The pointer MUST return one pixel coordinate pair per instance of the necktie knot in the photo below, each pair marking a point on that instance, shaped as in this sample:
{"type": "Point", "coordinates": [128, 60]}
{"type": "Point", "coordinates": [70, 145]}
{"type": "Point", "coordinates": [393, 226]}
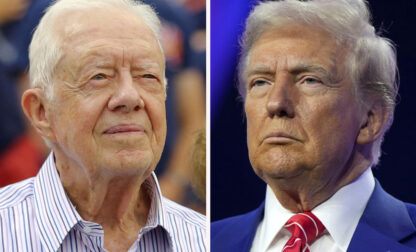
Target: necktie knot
{"type": "Point", "coordinates": [305, 227]}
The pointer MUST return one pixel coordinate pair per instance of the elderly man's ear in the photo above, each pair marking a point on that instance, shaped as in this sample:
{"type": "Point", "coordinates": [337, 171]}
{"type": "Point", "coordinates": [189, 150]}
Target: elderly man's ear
{"type": "Point", "coordinates": [34, 107]}
{"type": "Point", "coordinates": [373, 123]}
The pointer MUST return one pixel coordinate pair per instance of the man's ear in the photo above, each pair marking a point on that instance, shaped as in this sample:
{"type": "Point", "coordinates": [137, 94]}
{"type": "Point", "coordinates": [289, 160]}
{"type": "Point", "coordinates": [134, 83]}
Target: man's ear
{"type": "Point", "coordinates": [34, 107]}
{"type": "Point", "coordinates": [373, 124]}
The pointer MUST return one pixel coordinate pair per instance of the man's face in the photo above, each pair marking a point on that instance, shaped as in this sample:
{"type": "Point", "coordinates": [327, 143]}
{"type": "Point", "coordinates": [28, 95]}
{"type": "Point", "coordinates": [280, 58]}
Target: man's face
{"type": "Point", "coordinates": [108, 109]}
{"type": "Point", "coordinates": [302, 113]}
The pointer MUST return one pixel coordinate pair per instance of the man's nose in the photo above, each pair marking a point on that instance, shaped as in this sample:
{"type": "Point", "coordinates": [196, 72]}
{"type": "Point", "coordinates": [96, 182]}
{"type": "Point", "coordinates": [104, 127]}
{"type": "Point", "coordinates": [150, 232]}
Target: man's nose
{"type": "Point", "coordinates": [126, 97]}
{"type": "Point", "coordinates": [279, 100]}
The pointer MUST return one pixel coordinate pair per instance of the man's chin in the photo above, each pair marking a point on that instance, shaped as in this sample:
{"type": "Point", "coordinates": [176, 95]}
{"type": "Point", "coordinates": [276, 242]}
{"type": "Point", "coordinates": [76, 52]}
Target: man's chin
{"type": "Point", "coordinates": [277, 172]}
{"type": "Point", "coordinates": [277, 167]}
{"type": "Point", "coordinates": [130, 162]}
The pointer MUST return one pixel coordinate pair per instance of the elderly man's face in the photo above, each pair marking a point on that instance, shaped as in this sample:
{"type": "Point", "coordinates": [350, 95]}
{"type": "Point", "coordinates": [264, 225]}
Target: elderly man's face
{"type": "Point", "coordinates": [302, 113]}
{"type": "Point", "coordinates": [108, 109]}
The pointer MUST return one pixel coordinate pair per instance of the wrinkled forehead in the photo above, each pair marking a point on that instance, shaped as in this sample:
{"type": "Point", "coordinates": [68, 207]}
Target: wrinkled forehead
{"type": "Point", "coordinates": [79, 22]}
{"type": "Point", "coordinates": [291, 46]}
{"type": "Point", "coordinates": [85, 31]}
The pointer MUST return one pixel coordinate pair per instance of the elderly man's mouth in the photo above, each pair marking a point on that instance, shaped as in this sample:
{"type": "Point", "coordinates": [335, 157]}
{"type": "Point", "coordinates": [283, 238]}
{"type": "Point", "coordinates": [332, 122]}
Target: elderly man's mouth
{"type": "Point", "coordinates": [125, 129]}
{"type": "Point", "coordinates": [279, 138]}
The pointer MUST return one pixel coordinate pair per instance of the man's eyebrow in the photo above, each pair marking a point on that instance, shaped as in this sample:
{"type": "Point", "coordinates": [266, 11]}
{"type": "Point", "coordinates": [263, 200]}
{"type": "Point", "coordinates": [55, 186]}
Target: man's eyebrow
{"type": "Point", "coordinates": [259, 69]}
{"type": "Point", "coordinates": [296, 68]}
{"type": "Point", "coordinates": [145, 66]}
{"type": "Point", "coordinates": [93, 60]}
{"type": "Point", "coordinates": [314, 68]}
{"type": "Point", "coordinates": [301, 68]}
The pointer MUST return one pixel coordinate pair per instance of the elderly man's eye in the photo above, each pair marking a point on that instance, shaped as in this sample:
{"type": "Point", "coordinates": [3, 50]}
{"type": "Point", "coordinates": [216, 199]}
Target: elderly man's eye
{"type": "Point", "coordinates": [259, 83]}
{"type": "Point", "coordinates": [98, 77]}
{"type": "Point", "coordinates": [311, 81]}
{"type": "Point", "coordinates": [149, 76]}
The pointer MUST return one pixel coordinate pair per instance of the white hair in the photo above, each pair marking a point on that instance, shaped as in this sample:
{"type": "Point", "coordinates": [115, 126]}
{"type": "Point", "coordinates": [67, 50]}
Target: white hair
{"type": "Point", "coordinates": [371, 59]}
{"type": "Point", "coordinates": [45, 49]}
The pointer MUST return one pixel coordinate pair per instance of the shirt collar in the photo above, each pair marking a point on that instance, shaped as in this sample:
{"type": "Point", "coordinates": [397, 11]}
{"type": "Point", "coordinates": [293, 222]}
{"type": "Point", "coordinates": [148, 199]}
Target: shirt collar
{"type": "Point", "coordinates": [157, 213]}
{"type": "Point", "coordinates": [341, 213]}
{"type": "Point", "coordinates": [275, 216]}
{"type": "Point", "coordinates": [56, 215]}
{"type": "Point", "coordinates": [340, 221]}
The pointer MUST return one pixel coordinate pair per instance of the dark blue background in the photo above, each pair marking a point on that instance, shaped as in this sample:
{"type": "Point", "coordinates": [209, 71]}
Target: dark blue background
{"type": "Point", "coordinates": [235, 189]}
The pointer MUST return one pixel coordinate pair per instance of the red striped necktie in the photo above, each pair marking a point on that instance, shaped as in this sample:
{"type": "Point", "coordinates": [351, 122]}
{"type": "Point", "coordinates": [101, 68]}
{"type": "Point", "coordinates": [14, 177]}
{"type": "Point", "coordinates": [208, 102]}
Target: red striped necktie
{"type": "Point", "coordinates": [305, 227]}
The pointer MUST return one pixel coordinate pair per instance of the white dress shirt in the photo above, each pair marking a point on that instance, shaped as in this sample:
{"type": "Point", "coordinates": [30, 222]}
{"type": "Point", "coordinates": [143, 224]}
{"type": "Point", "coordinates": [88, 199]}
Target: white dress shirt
{"type": "Point", "coordinates": [37, 215]}
{"type": "Point", "coordinates": [340, 215]}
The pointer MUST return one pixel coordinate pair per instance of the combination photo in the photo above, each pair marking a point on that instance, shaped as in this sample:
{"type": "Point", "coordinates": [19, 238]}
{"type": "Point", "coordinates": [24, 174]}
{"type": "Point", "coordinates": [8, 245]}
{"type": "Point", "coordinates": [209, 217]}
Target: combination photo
{"type": "Point", "coordinates": [207, 125]}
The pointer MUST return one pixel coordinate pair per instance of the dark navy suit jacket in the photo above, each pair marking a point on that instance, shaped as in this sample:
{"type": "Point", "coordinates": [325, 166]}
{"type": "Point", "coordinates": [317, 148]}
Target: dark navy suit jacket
{"type": "Point", "coordinates": [387, 225]}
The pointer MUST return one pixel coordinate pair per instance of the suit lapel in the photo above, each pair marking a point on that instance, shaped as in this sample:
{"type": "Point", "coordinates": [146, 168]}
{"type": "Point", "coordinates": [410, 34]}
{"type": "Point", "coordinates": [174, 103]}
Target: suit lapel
{"type": "Point", "coordinates": [245, 230]}
{"type": "Point", "coordinates": [384, 223]}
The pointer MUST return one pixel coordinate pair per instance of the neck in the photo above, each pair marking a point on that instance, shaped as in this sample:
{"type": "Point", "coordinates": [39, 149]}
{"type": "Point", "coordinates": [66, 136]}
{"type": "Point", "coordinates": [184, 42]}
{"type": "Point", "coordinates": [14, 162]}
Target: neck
{"type": "Point", "coordinates": [110, 202]}
{"type": "Point", "coordinates": [304, 192]}
{"type": "Point", "coordinates": [119, 203]}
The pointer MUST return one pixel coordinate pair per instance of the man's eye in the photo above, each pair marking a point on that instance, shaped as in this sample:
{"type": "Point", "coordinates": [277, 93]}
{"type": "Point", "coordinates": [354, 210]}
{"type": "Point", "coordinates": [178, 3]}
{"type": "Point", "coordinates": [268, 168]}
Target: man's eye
{"type": "Point", "coordinates": [149, 76]}
{"type": "Point", "coordinates": [98, 77]}
{"type": "Point", "coordinates": [259, 83]}
{"type": "Point", "coordinates": [311, 81]}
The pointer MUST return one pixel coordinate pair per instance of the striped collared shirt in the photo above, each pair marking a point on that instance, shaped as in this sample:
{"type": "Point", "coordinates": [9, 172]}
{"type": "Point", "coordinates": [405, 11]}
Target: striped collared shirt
{"type": "Point", "coordinates": [37, 215]}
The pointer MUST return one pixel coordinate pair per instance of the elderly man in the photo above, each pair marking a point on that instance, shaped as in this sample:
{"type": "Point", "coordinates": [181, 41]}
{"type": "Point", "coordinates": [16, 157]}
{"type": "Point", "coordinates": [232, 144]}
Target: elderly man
{"type": "Point", "coordinates": [319, 88]}
{"type": "Point", "coordinates": [98, 98]}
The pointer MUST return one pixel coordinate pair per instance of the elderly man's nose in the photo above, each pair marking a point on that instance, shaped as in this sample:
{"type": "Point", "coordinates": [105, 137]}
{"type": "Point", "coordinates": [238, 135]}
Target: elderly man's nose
{"type": "Point", "coordinates": [279, 101]}
{"type": "Point", "coordinates": [126, 98]}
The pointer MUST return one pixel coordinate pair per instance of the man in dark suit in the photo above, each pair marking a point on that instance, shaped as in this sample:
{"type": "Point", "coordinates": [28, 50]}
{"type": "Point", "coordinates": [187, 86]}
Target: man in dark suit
{"type": "Point", "coordinates": [319, 88]}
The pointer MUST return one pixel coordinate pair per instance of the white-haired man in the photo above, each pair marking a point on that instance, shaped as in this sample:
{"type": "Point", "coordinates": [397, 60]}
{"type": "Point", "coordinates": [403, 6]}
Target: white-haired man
{"type": "Point", "coordinates": [98, 98]}
{"type": "Point", "coordinates": [319, 88]}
